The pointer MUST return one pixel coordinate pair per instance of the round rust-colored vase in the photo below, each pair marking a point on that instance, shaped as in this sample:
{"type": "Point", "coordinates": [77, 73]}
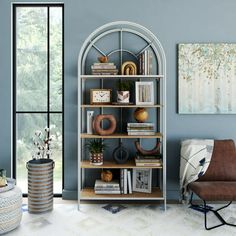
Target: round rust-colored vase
{"type": "Point", "coordinates": [97, 124]}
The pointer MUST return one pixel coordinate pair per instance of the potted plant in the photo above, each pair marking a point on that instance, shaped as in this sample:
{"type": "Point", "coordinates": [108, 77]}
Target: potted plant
{"type": "Point", "coordinates": [40, 173]}
{"type": "Point", "coordinates": [123, 93]}
{"type": "Point", "coordinates": [96, 148]}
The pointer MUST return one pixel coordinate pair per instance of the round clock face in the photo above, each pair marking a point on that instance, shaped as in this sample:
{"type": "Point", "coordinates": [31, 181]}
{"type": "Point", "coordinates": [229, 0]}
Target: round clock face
{"type": "Point", "coordinates": [101, 96]}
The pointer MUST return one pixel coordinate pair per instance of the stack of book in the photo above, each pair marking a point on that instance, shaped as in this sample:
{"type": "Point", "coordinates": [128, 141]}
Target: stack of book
{"type": "Point", "coordinates": [104, 69]}
{"type": "Point", "coordinates": [125, 181]}
{"type": "Point", "coordinates": [148, 160]}
{"type": "Point", "coordinates": [145, 63]}
{"type": "Point", "coordinates": [141, 129]}
{"type": "Point", "coordinates": [102, 187]}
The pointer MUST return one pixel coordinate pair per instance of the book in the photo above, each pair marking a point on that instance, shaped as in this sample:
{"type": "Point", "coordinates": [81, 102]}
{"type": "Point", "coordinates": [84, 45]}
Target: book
{"type": "Point", "coordinates": [122, 181]}
{"type": "Point", "coordinates": [107, 189]}
{"type": "Point", "coordinates": [141, 133]}
{"type": "Point", "coordinates": [147, 160]}
{"type": "Point", "coordinates": [111, 184]}
{"type": "Point", "coordinates": [140, 124]}
{"type": "Point", "coordinates": [107, 192]}
{"type": "Point", "coordinates": [156, 164]}
{"type": "Point", "coordinates": [125, 181]}
{"type": "Point", "coordinates": [129, 182]}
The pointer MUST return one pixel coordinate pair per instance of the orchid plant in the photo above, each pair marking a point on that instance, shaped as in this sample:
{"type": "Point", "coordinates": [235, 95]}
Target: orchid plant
{"type": "Point", "coordinates": [42, 142]}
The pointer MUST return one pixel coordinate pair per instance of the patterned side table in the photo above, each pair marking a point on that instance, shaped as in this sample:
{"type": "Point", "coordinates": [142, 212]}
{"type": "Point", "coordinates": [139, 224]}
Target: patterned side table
{"type": "Point", "coordinates": [10, 209]}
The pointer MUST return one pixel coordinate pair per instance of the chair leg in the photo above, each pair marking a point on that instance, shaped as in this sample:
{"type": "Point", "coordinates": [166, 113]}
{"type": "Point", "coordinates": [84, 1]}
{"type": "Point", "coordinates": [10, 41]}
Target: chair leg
{"type": "Point", "coordinates": [205, 209]}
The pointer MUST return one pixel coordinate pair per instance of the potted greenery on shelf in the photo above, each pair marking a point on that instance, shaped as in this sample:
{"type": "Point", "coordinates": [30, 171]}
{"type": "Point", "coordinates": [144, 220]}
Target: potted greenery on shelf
{"type": "Point", "coordinates": [96, 148]}
{"type": "Point", "coordinates": [123, 93]}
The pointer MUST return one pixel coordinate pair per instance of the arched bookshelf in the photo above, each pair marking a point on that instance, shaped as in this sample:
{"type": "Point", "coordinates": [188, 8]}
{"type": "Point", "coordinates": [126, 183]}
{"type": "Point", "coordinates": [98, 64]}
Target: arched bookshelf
{"type": "Point", "coordinates": [121, 41]}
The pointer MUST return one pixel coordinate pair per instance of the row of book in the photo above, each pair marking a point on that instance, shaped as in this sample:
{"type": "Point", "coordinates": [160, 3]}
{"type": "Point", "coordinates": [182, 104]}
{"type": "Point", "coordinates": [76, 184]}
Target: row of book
{"type": "Point", "coordinates": [145, 63]}
{"type": "Point", "coordinates": [104, 69]}
{"type": "Point", "coordinates": [124, 186]}
{"type": "Point", "coordinates": [148, 160]}
{"type": "Point", "coordinates": [140, 128]}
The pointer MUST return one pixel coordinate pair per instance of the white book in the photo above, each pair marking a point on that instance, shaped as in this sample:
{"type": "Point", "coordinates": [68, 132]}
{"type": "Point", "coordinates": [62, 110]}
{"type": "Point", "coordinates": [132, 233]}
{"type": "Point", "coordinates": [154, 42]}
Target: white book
{"type": "Point", "coordinates": [129, 182]}
{"type": "Point", "coordinates": [111, 184]}
{"type": "Point", "coordinates": [122, 181]}
{"type": "Point", "coordinates": [107, 192]}
{"type": "Point", "coordinates": [125, 182]}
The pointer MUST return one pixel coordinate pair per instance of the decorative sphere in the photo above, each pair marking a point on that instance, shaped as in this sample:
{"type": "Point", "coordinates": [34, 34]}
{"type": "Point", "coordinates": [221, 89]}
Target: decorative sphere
{"type": "Point", "coordinates": [106, 176]}
{"type": "Point", "coordinates": [141, 114]}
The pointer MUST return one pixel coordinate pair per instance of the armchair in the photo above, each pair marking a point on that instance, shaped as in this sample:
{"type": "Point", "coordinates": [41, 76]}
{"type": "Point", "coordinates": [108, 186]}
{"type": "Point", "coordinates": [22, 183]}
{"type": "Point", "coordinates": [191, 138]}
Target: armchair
{"type": "Point", "coordinates": [219, 181]}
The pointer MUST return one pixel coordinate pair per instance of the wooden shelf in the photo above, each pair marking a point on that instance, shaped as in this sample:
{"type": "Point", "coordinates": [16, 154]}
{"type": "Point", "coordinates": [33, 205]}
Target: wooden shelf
{"type": "Point", "coordinates": [89, 194]}
{"type": "Point", "coordinates": [121, 76]}
{"type": "Point", "coordinates": [113, 165]}
{"type": "Point", "coordinates": [120, 106]}
{"type": "Point", "coordinates": [117, 135]}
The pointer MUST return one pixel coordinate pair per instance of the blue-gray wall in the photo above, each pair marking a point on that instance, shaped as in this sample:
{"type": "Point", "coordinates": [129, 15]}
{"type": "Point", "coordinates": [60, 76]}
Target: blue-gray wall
{"type": "Point", "coordinates": [172, 22]}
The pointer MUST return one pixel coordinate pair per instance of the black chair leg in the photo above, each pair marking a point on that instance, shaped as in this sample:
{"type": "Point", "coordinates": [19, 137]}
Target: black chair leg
{"type": "Point", "coordinates": [205, 209]}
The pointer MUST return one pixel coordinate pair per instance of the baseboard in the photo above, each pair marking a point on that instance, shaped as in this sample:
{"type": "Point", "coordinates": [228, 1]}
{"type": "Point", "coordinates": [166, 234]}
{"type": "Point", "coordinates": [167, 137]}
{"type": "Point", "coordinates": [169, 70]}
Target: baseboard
{"type": "Point", "coordinates": [69, 194]}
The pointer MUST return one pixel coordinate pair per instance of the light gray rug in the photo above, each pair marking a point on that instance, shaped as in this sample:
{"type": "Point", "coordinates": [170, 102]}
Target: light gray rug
{"type": "Point", "coordinates": [134, 220]}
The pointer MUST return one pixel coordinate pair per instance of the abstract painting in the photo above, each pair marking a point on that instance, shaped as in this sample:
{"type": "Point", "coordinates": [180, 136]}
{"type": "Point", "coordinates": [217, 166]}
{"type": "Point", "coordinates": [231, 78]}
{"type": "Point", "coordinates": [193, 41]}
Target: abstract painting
{"type": "Point", "coordinates": [207, 78]}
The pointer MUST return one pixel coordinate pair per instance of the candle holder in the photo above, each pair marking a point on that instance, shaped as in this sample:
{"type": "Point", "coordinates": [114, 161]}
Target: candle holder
{"type": "Point", "coordinates": [3, 178]}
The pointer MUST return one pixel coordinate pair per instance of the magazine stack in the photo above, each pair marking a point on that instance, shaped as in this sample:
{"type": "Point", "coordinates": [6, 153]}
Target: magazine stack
{"type": "Point", "coordinates": [140, 129]}
{"type": "Point", "coordinates": [104, 69]}
{"type": "Point", "coordinates": [148, 160]}
{"type": "Point", "coordinates": [102, 187]}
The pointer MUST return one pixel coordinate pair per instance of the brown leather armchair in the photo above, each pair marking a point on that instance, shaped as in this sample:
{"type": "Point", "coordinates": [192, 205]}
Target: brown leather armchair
{"type": "Point", "coordinates": [219, 181]}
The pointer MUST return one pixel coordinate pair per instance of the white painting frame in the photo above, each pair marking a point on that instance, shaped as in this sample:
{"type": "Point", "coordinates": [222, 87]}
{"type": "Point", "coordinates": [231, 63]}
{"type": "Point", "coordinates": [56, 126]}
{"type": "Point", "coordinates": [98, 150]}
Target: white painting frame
{"type": "Point", "coordinates": [142, 180]}
{"type": "Point", "coordinates": [144, 93]}
{"type": "Point", "coordinates": [207, 78]}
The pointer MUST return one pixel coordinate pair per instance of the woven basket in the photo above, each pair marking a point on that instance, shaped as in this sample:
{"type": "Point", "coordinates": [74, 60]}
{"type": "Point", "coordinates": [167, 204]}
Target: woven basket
{"type": "Point", "coordinates": [10, 210]}
{"type": "Point", "coordinates": [40, 185]}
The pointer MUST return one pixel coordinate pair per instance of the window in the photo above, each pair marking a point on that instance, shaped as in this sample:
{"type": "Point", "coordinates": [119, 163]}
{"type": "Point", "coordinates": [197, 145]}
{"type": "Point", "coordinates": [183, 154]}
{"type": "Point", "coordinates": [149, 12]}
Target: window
{"type": "Point", "coordinates": [37, 84]}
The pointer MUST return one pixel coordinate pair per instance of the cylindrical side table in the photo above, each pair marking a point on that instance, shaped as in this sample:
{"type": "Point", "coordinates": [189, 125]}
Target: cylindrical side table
{"type": "Point", "coordinates": [10, 209]}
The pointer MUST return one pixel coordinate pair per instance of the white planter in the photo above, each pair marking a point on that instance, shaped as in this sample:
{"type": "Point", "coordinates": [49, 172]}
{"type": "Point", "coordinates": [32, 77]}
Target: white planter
{"type": "Point", "coordinates": [123, 96]}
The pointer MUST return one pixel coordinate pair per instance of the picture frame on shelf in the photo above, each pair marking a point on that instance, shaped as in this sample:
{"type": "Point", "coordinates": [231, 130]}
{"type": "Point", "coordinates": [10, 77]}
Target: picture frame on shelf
{"type": "Point", "coordinates": [142, 180]}
{"type": "Point", "coordinates": [144, 93]}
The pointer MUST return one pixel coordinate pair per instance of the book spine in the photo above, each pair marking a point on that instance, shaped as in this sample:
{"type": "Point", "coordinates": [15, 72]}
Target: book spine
{"type": "Point", "coordinates": [125, 181]}
{"type": "Point", "coordinates": [107, 186]}
{"type": "Point", "coordinates": [148, 164]}
{"type": "Point", "coordinates": [129, 182]}
{"type": "Point", "coordinates": [122, 181]}
{"type": "Point", "coordinates": [141, 133]}
{"type": "Point", "coordinates": [107, 189]}
{"type": "Point", "coordinates": [107, 192]}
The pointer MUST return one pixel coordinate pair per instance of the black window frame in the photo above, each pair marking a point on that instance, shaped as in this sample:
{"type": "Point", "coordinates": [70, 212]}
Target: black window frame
{"type": "Point", "coordinates": [14, 64]}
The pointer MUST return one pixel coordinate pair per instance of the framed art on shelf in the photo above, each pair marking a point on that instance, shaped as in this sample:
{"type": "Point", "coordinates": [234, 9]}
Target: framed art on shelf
{"type": "Point", "coordinates": [142, 180]}
{"type": "Point", "coordinates": [144, 93]}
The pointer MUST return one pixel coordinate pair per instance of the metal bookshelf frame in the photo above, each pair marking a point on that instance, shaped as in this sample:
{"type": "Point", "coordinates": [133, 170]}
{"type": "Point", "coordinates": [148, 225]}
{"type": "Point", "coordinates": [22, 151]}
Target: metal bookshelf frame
{"type": "Point", "coordinates": [151, 41]}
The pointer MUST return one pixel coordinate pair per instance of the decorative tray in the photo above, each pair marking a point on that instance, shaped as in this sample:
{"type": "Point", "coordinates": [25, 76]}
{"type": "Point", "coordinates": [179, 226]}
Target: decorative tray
{"type": "Point", "coordinates": [10, 185]}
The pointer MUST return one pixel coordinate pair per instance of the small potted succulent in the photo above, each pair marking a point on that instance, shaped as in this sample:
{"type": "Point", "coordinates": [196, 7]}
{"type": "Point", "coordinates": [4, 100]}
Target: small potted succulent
{"type": "Point", "coordinates": [96, 148]}
{"type": "Point", "coordinates": [123, 93]}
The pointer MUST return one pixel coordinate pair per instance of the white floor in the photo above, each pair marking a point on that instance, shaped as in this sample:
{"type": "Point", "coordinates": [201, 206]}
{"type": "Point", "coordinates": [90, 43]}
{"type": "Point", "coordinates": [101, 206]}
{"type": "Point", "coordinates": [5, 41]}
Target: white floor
{"type": "Point", "coordinates": [135, 220]}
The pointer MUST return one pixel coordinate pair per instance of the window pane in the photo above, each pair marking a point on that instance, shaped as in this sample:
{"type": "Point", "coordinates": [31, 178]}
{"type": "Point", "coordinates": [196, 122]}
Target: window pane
{"type": "Point", "coordinates": [31, 58]}
{"type": "Point", "coordinates": [56, 59]}
{"type": "Point", "coordinates": [26, 125]}
{"type": "Point", "coordinates": [56, 147]}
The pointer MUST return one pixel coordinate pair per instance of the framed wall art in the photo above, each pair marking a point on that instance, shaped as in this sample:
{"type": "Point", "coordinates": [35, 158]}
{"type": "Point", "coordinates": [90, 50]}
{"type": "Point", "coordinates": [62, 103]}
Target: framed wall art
{"type": "Point", "coordinates": [207, 78]}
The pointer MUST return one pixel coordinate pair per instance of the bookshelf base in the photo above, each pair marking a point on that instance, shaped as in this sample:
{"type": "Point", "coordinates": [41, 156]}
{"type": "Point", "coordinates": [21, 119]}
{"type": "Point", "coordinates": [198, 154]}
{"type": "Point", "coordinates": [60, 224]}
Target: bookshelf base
{"type": "Point", "coordinates": [89, 194]}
